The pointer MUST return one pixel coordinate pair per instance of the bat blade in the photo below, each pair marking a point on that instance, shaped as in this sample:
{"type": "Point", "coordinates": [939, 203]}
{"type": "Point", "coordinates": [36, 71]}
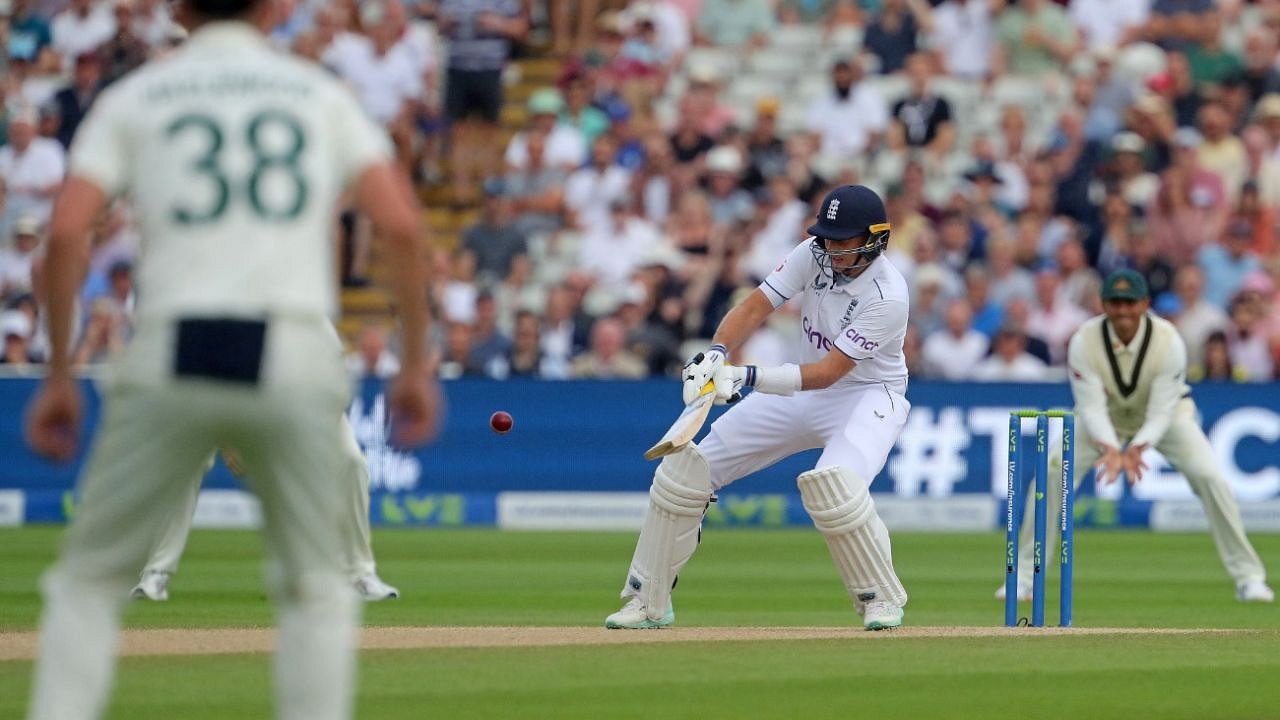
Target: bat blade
{"type": "Point", "coordinates": [686, 425]}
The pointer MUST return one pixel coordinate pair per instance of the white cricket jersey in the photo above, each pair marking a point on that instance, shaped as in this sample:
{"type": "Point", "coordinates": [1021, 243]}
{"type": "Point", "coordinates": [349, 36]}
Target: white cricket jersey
{"type": "Point", "coordinates": [1130, 390]}
{"type": "Point", "coordinates": [234, 154]}
{"type": "Point", "coordinates": [865, 318]}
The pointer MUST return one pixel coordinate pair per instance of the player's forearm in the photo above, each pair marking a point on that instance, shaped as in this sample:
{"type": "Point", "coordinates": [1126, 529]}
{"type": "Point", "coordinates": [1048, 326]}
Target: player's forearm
{"type": "Point", "coordinates": [65, 265]}
{"type": "Point", "coordinates": [743, 320]}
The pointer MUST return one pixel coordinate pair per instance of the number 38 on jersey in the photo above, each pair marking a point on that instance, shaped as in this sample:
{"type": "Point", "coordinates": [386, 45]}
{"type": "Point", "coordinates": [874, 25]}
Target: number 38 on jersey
{"type": "Point", "coordinates": [272, 186]}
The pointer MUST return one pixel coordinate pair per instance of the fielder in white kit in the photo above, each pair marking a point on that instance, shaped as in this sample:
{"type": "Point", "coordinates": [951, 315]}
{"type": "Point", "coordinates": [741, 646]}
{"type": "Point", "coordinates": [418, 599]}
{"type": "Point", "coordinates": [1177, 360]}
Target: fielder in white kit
{"type": "Point", "coordinates": [357, 542]}
{"type": "Point", "coordinates": [847, 398]}
{"type": "Point", "coordinates": [1128, 377]}
{"type": "Point", "coordinates": [235, 156]}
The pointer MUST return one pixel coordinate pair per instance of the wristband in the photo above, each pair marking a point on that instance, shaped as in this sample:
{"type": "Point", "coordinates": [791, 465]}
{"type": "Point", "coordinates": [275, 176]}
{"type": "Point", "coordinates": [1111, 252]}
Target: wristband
{"type": "Point", "coordinates": [780, 380]}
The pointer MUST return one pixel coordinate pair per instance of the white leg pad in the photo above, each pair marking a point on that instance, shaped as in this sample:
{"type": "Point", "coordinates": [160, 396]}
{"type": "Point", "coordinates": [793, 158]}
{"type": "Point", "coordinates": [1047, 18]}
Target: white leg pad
{"type": "Point", "coordinates": [842, 510]}
{"type": "Point", "coordinates": [677, 501]}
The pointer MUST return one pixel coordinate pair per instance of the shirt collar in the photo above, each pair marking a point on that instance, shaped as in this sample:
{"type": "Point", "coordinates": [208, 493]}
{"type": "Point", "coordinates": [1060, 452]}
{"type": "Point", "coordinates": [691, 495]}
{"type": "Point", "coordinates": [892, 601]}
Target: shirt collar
{"type": "Point", "coordinates": [226, 32]}
{"type": "Point", "coordinates": [1133, 345]}
{"type": "Point", "coordinates": [859, 284]}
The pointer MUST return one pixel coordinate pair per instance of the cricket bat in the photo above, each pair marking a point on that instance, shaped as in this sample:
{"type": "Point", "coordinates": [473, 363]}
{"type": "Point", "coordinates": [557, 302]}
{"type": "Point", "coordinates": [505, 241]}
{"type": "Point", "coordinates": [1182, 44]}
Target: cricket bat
{"type": "Point", "coordinates": [686, 426]}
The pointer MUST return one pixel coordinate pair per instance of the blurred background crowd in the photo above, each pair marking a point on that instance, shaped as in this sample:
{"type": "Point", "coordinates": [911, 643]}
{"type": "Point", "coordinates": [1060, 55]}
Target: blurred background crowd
{"type": "Point", "coordinates": [605, 179]}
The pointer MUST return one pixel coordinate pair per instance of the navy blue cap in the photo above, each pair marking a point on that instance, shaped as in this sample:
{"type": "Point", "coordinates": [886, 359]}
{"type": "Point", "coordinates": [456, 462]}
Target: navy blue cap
{"type": "Point", "coordinates": [850, 211]}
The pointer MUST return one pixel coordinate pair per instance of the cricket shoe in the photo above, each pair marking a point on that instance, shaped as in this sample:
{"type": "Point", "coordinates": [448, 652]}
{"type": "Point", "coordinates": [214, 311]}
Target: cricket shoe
{"type": "Point", "coordinates": [632, 616]}
{"type": "Point", "coordinates": [372, 589]}
{"type": "Point", "coordinates": [1024, 593]}
{"type": "Point", "coordinates": [154, 585]}
{"type": "Point", "coordinates": [1255, 591]}
{"type": "Point", "coordinates": [881, 615]}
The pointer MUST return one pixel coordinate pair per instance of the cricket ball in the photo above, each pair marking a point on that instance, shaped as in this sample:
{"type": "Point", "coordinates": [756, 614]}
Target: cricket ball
{"type": "Point", "coordinates": [501, 422]}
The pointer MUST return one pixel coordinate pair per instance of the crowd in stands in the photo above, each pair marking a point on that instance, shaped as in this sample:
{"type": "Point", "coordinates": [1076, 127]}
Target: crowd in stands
{"type": "Point", "coordinates": [1025, 148]}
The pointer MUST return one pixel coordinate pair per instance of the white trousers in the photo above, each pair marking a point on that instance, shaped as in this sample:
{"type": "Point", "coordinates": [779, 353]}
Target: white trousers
{"type": "Point", "coordinates": [153, 441]}
{"type": "Point", "coordinates": [357, 542]}
{"type": "Point", "coordinates": [1187, 449]}
{"type": "Point", "coordinates": [855, 426]}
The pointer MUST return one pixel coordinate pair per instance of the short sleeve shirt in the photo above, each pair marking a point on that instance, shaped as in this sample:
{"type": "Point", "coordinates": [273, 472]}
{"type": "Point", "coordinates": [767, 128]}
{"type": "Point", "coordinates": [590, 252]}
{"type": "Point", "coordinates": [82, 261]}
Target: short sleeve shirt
{"type": "Point", "coordinates": [864, 318]}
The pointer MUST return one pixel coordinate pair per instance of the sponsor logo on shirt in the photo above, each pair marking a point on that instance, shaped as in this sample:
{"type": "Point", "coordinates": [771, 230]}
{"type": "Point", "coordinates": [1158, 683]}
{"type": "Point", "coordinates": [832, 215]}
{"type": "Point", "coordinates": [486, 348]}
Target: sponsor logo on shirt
{"type": "Point", "coordinates": [814, 335]}
{"type": "Point", "coordinates": [860, 340]}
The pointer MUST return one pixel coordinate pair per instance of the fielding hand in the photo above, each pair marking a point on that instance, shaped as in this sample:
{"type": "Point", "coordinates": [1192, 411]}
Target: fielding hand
{"type": "Point", "coordinates": [1109, 466]}
{"type": "Point", "coordinates": [53, 419]}
{"type": "Point", "coordinates": [414, 401]}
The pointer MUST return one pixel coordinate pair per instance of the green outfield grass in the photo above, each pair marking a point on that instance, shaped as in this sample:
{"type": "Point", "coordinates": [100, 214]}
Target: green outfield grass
{"type": "Point", "coordinates": [739, 577]}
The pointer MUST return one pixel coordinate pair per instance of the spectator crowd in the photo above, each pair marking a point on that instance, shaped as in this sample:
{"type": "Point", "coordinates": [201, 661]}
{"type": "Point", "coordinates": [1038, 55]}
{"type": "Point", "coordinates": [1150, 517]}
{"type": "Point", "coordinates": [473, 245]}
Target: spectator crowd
{"type": "Point", "coordinates": [1025, 148]}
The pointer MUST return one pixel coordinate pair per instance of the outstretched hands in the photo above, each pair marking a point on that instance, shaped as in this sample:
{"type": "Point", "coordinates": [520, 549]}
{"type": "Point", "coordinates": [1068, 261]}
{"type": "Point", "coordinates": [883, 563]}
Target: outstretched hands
{"type": "Point", "coordinates": [1115, 462]}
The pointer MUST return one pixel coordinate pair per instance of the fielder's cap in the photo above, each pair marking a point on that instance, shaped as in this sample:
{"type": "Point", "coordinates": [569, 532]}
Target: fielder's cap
{"type": "Point", "coordinates": [1124, 285]}
{"type": "Point", "coordinates": [26, 225]}
{"type": "Point", "coordinates": [15, 322]}
{"type": "Point", "coordinates": [1268, 107]}
{"type": "Point", "coordinates": [1188, 137]}
{"type": "Point", "coordinates": [545, 101]}
{"type": "Point", "coordinates": [1129, 142]}
{"type": "Point", "coordinates": [850, 211]}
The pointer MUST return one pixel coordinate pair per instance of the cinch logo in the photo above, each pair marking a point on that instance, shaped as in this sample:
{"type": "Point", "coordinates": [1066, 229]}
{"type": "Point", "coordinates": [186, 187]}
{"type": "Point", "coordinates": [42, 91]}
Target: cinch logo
{"type": "Point", "coordinates": [858, 339]}
{"type": "Point", "coordinates": [816, 337]}
{"type": "Point", "coordinates": [833, 208]}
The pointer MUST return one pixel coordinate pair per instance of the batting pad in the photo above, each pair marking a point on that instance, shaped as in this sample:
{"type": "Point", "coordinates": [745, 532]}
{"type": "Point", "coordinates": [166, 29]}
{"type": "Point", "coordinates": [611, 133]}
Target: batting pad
{"type": "Point", "coordinates": [677, 500]}
{"type": "Point", "coordinates": [842, 510]}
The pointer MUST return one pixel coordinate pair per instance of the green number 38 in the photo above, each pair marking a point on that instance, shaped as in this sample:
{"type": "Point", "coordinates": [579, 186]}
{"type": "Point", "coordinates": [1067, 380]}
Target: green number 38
{"type": "Point", "coordinates": [265, 160]}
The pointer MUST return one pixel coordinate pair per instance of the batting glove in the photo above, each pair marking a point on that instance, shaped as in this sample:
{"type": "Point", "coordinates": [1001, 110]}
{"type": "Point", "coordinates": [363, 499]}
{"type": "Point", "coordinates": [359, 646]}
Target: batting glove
{"type": "Point", "coordinates": [700, 370]}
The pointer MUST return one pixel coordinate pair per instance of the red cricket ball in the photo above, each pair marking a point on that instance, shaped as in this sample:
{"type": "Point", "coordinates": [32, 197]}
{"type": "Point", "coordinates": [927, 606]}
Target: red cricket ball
{"type": "Point", "coordinates": [501, 422]}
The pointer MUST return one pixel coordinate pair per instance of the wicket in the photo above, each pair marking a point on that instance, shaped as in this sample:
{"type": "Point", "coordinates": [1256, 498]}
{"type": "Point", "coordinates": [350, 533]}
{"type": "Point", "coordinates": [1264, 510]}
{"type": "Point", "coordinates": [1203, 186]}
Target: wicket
{"type": "Point", "coordinates": [1066, 524]}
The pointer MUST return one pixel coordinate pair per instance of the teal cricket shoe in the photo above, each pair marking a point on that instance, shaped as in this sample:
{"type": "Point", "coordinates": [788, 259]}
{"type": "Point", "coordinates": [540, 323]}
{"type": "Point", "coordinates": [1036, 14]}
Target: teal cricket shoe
{"type": "Point", "coordinates": [632, 616]}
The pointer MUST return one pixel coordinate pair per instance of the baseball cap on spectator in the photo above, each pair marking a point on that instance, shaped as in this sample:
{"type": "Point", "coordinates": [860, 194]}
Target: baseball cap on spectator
{"type": "Point", "coordinates": [1167, 304]}
{"type": "Point", "coordinates": [1128, 142]}
{"type": "Point", "coordinates": [724, 159]}
{"type": "Point", "coordinates": [1125, 284]}
{"type": "Point", "coordinates": [703, 73]}
{"type": "Point", "coordinates": [664, 255]}
{"type": "Point", "coordinates": [768, 105]}
{"type": "Point", "coordinates": [1259, 282]}
{"type": "Point", "coordinates": [495, 187]}
{"type": "Point", "coordinates": [1268, 107]}
{"type": "Point", "coordinates": [371, 13]}
{"type": "Point", "coordinates": [610, 23]}
{"type": "Point", "coordinates": [1161, 82]}
{"type": "Point", "coordinates": [1240, 228]}
{"type": "Point", "coordinates": [15, 322]}
{"type": "Point", "coordinates": [26, 225]}
{"type": "Point", "coordinates": [545, 101]}
{"type": "Point", "coordinates": [984, 170]}
{"type": "Point", "coordinates": [1105, 53]}
{"type": "Point", "coordinates": [1150, 103]}
{"type": "Point", "coordinates": [1187, 137]}
{"type": "Point", "coordinates": [617, 110]}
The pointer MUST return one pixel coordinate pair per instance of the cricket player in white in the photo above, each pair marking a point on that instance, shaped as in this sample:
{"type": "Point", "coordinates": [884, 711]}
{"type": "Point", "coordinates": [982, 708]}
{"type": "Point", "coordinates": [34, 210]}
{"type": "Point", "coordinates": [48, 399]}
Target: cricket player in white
{"type": "Point", "coordinates": [1128, 378]}
{"type": "Point", "coordinates": [847, 398]}
{"type": "Point", "coordinates": [357, 542]}
{"type": "Point", "coordinates": [234, 155]}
